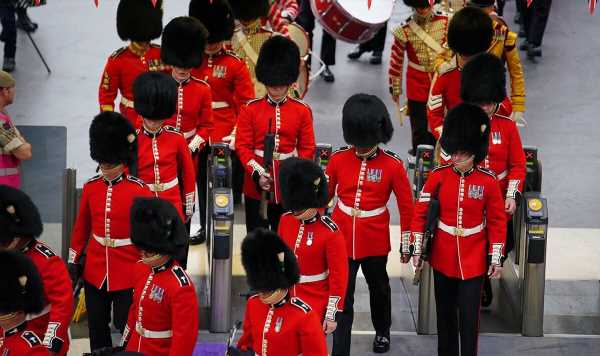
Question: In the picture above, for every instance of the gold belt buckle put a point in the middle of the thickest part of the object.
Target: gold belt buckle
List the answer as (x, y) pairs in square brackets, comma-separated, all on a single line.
[(159, 187), (108, 242), (356, 212), (276, 156), (139, 329), (459, 231)]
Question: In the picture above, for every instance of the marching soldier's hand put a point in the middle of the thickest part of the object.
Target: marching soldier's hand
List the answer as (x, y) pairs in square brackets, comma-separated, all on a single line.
[(74, 272), (495, 271), (329, 326), (415, 261), (519, 118), (231, 140), (510, 205), (264, 181), (404, 257)]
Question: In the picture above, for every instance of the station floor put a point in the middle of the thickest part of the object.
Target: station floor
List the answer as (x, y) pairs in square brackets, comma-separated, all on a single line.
[(562, 95)]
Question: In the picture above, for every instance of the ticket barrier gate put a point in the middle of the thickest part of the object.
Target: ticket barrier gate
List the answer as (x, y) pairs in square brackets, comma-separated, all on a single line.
[(220, 239), (520, 295)]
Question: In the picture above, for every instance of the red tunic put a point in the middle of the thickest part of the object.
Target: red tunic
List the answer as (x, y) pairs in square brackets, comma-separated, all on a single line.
[(165, 165), (122, 67), (319, 247), (104, 214), (194, 109), (472, 209), (444, 95), (163, 319), (231, 87), (288, 328), (21, 341), (53, 322), (291, 122), (364, 186)]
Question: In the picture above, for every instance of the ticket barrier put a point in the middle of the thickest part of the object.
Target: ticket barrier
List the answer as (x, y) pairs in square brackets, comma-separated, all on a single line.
[(520, 295)]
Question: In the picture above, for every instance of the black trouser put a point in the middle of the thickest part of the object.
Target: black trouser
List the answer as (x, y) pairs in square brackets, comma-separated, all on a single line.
[(253, 218), (377, 43), (457, 302), (535, 20), (9, 30), (98, 303), (417, 112), (380, 300), (500, 7), (306, 19)]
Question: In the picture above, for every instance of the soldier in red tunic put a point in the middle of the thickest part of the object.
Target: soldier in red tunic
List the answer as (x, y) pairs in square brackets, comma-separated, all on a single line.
[(363, 176), (138, 21), (275, 323), (163, 319), (316, 240), (22, 294), (484, 84), (19, 230), (288, 119), (103, 225), (183, 43), (470, 32), (282, 13), (231, 87), (471, 231)]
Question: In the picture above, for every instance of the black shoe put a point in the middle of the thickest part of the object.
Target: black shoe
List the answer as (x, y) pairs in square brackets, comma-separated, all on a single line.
[(524, 46), (487, 295), (381, 344), (327, 75), (354, 55), (25, 23), (198, 238), (522, 33), (375, 58), (534, 51), (9, 64)]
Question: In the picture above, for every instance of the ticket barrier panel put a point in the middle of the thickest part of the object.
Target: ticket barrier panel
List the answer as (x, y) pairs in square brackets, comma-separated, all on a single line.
[(220, 230)]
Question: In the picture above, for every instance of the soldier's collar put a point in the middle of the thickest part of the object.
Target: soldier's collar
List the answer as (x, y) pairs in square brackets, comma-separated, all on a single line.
[(16, 329), (163, 267), (368, 157), (281, 303), (27, 246), (183, 82), (308, 216), (463, 174), (275, 103), (114, 180), (138, 49), (151, 134)]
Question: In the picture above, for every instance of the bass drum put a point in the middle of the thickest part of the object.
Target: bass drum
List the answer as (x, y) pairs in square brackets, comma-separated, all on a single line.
[(352, 21), (300, 37)]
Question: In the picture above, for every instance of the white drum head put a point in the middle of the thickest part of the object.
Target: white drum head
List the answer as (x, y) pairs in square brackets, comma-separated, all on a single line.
[(380, 11)]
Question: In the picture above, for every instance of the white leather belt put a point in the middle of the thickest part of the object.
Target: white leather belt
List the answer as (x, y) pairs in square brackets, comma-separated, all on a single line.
[(461, 232), (416, 66), (502, 175), (108, 242), (220, 104), (126, 102), (314, 277), (276, 155), (8, 171), (151, 334), (189, 134), (360, 213), (161, 187)]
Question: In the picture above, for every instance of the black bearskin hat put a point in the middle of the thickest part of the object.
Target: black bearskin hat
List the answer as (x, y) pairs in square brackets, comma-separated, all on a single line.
[(481, 3), (183, 42), (155, 95), (248, 10), (470, 31), (268, 261), (483, 80), (139, 20), (278, 62), (112, 139), (20, 283), (157, 227), (366, 121), (19, 217), (216, 16), (466, 128), (417, 4), (303, 184)]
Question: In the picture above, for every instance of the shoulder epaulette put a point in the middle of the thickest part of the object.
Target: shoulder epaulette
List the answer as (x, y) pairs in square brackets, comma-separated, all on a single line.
[(297, 302), (31, 338), (181, 276), (118, 52), (299, 101), (171, 129), (44, 250), (329, 223), (232, 54), (154, 45), (252, 101), (393, 155), (447, 66), (94, 178), (135, 180), (342, 149), (439, 168), (196, 79), (486, 171)]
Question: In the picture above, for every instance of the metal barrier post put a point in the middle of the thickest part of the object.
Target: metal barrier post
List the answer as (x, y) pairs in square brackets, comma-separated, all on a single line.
[(533, 264), (69, 208), (221, 236)]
